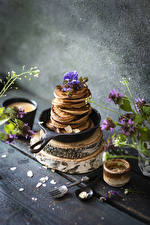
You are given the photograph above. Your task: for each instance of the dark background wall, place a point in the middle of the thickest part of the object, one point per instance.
(101, 39)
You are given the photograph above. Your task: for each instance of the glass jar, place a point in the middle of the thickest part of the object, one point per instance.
(144, 164)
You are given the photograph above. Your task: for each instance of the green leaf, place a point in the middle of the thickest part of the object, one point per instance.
(139, 119)
(125, 104)
(3, 120)
(9, 128)
(145, 134)
(19, 123)
(146, 110)
(1, 110)
(2, 136)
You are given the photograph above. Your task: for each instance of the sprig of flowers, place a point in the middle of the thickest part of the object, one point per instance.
(13, 76)
(133, 125)
(10, 118)
(71, 82)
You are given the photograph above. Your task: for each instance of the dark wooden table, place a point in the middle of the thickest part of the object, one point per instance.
(35, 205)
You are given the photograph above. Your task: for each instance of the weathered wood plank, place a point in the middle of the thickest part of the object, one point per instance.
(135, 203)
(68, 210)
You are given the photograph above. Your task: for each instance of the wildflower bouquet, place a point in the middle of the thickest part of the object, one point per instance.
(132, 130)
(10, 117)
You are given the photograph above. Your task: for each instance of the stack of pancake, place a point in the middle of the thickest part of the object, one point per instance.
(70, 114)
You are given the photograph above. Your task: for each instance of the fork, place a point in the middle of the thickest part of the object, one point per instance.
(63, 189)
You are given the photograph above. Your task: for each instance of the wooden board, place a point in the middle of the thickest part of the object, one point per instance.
(72, 166)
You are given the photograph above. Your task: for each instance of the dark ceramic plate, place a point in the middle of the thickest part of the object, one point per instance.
(49, 134)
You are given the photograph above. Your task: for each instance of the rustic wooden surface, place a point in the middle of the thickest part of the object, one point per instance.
(19, 207)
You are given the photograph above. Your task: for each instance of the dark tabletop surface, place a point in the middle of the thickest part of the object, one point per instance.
(35, 205)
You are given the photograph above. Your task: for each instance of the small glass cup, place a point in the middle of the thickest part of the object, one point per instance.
(30, 107)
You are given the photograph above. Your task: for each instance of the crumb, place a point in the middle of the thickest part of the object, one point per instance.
(68, 129)
(83, 194)
(44, 185)
(76, 130)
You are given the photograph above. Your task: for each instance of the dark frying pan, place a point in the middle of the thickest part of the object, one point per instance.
(49, 134)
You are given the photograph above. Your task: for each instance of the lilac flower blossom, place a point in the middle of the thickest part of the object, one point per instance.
(109, 145)
(114, 96)
(71, 82)
(10, 138)
(110, 194)
(72, 76)
(19, 112)
(26, 131)
(108, 124)
(139, 103)
(127, 126)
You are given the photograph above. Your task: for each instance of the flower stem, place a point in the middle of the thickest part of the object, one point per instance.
(10, 82)
(104, 107)
(123, 156)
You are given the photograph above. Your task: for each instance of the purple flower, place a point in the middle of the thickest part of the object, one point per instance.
(114, 96)
(26, 131)
(111, 193)
(10, 138)
(19, 112)
(73, 76)
(108, 124)
(72, 82)
(109, 145)
(139, 103)
(127, 124)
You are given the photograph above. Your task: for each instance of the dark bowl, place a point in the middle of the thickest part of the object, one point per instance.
(29, 116)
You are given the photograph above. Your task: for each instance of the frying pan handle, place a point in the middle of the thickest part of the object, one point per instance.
(42, 143)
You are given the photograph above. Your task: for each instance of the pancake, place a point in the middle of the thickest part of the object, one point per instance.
(69, 109)
(59, 103)
(86, 125)
(76, 94)
(70, 99)
(60, 118)
(80, 111)
(61, 125)
(61, 113)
